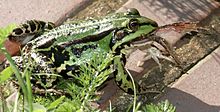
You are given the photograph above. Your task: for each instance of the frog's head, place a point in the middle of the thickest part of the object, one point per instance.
(136, 28)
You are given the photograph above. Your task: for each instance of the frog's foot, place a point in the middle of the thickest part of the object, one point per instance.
(150, 88)
(155, 54)
(146, 89)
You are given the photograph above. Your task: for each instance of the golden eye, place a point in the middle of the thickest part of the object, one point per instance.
(133, 24)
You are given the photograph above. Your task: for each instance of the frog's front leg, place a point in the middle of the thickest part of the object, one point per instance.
(123, 79)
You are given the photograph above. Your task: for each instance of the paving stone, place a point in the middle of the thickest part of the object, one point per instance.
(18, 11)
(199, 89)
(170, 11)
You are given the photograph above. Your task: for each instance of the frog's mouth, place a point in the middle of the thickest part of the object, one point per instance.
(141, 44)
(145, 41)
(141, 40)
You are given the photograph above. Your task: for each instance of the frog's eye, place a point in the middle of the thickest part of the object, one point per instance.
(133, 24)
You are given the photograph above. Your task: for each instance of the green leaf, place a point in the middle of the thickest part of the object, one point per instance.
(163, 106)
(29, 89)
(39, 108)
(4, 32)
(67, 107)
(5, 74)
(56, 103)
(15, 70)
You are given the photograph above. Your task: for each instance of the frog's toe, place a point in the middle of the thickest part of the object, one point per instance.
(141, 62)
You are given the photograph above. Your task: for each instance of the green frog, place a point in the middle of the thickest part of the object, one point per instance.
(64, 49)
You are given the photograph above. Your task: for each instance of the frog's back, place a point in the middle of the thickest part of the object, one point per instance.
(83, 28)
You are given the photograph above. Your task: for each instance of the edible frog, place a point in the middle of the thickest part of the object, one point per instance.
(64, 49)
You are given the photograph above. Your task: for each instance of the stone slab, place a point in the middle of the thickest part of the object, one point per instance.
(199, 89)
(18, 11)
(170, 11)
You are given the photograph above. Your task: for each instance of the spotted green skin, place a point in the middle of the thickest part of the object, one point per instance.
(64, 49)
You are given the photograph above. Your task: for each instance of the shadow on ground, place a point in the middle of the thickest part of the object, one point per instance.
(185, 102)
(191, 10)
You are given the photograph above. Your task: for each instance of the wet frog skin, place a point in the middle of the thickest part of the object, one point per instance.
(64, 49)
